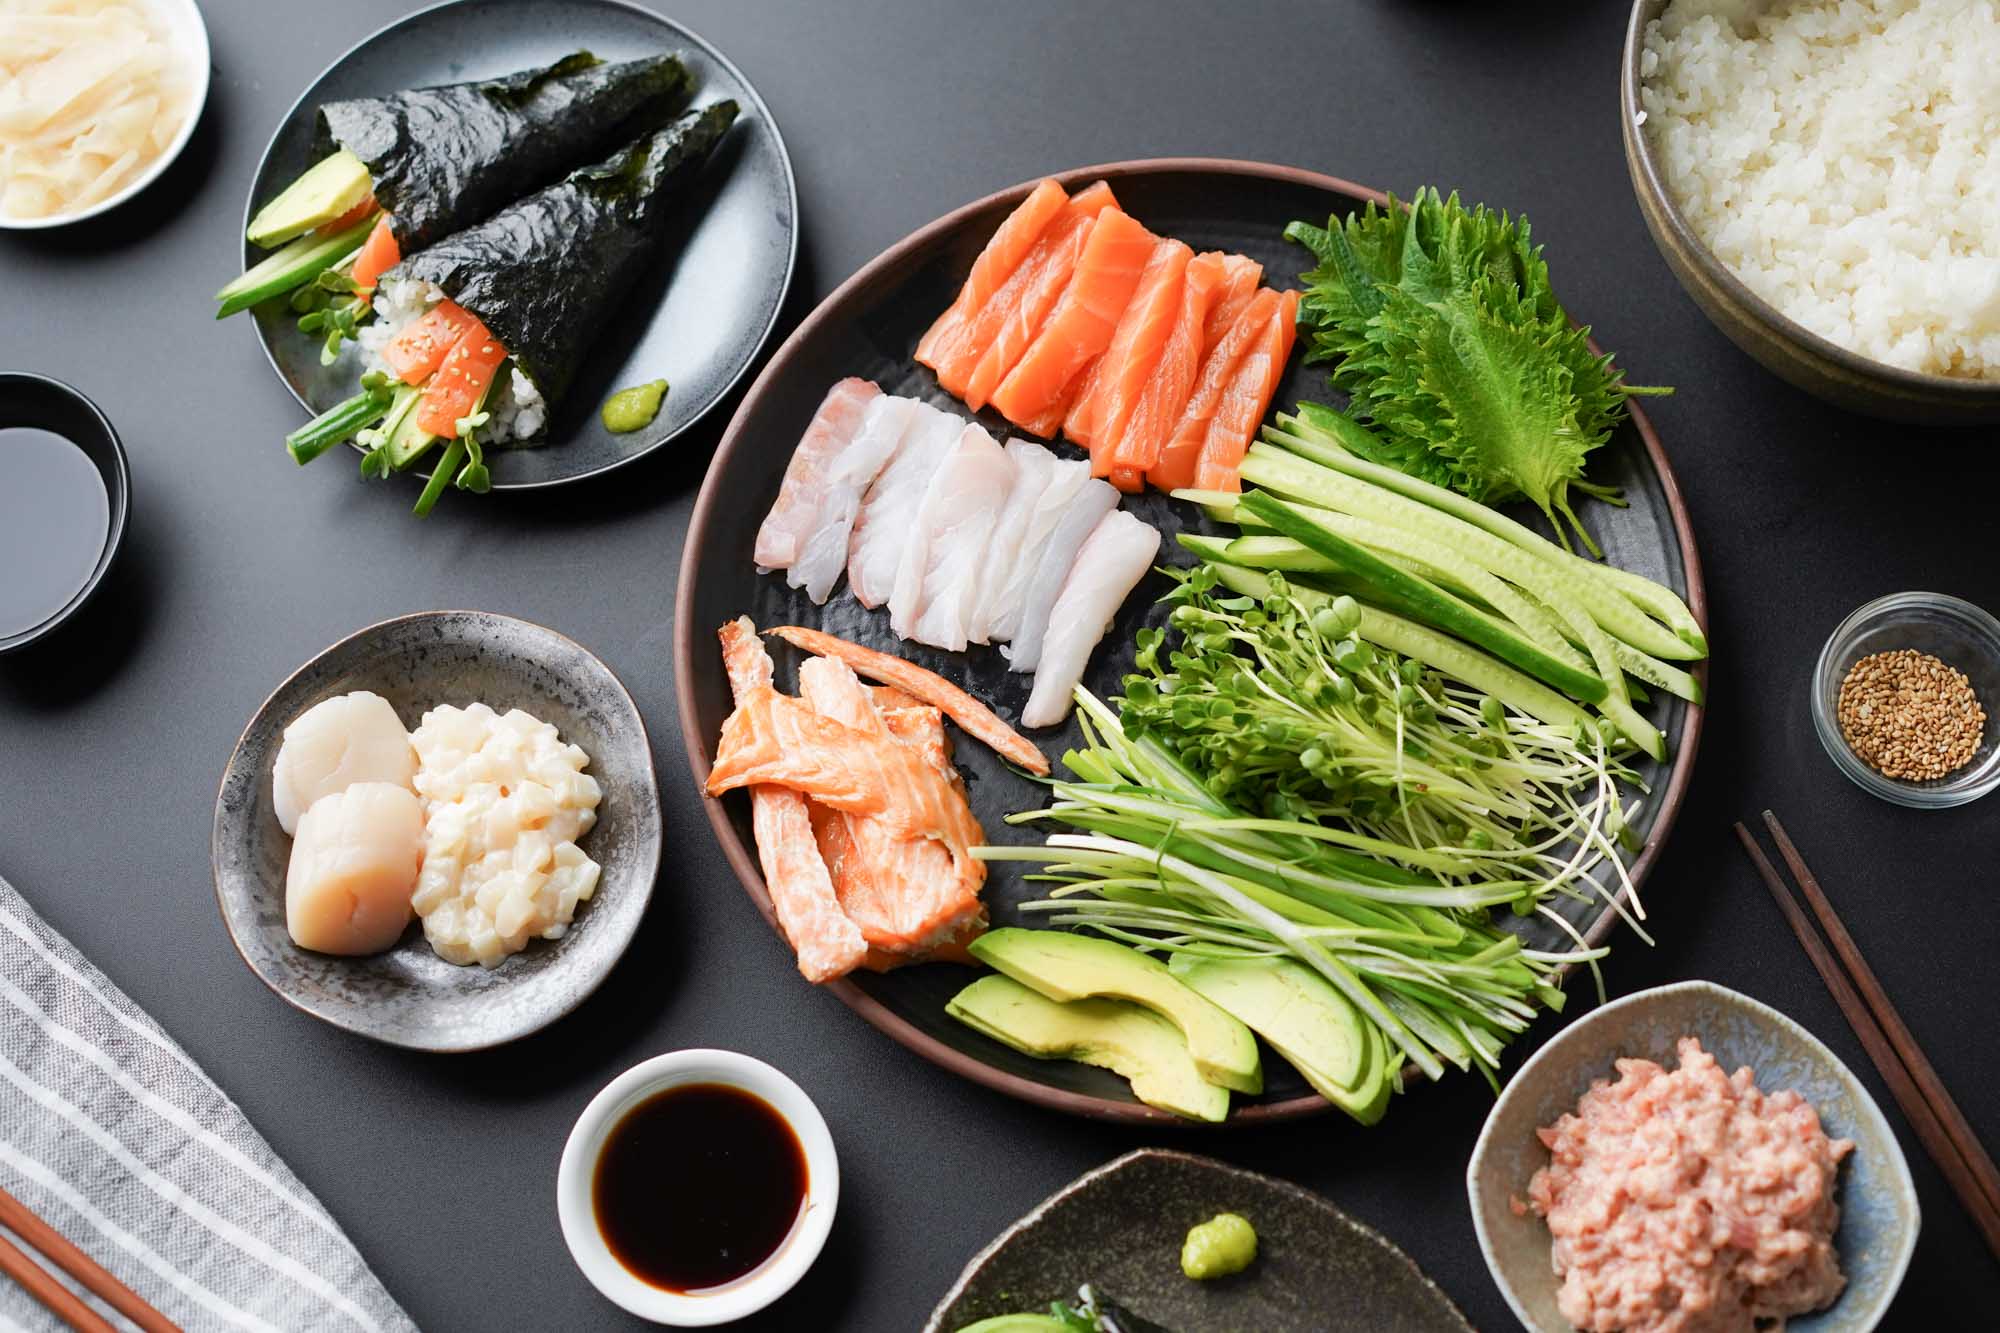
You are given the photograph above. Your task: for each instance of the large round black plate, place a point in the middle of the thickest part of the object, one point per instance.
(1120, 1229)
(702, 316)
(869, 327)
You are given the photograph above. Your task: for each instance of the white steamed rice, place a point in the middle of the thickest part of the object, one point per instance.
(516, 405)
(1834, 154)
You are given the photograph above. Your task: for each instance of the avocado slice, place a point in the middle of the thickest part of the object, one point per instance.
(1017, 1323)
(408, 441)
(1306, 1020)
(1290, 1006)
(293, 266)
(1369, 1100)
(1124, 1038)
(332, 188)
(1066, 966)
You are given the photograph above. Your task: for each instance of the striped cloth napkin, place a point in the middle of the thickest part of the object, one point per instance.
(113, 1135)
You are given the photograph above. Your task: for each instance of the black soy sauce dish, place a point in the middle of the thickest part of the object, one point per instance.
(65, 492)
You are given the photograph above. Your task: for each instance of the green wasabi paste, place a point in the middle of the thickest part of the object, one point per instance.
(634, 408)
(1224, 1244)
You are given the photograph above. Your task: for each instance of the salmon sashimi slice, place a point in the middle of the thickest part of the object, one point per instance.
(1157, 409)
(459, 385)
(1084, 319)
(1134, 351)
(1241, 276)
(1017, 312)
(904, 893)
(1049, 424)
(802, 495)
(1083, 404)
(826, 942)
(1008, 246)
(975, 717)
(1246, 399)
(1175, 466)
(422, 344)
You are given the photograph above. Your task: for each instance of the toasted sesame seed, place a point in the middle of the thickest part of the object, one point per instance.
(1910, 716)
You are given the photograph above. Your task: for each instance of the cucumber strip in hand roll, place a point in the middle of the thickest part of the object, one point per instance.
(401, 171)
(483, 332)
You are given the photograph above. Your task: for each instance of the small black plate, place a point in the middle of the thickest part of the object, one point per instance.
(36, 400)
(1120, 1229)
(697, 323)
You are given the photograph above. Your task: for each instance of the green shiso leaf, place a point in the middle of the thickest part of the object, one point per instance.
(1444, 331)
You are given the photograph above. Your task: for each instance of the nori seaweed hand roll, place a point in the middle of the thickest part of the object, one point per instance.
(438, 159)
(444, 158)
(544, 274)
(529, 288)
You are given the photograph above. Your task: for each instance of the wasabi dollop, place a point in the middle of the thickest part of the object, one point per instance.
(1224, 1244)
(634, 408)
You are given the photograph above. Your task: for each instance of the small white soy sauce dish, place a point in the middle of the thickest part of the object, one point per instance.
(697, 1188)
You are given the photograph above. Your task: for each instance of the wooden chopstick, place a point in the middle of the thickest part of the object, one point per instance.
(56, 1247)
(1923, 1118)
(1900, 1037)
(42, 1285)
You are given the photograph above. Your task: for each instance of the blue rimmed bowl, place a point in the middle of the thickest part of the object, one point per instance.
(1878, 1201)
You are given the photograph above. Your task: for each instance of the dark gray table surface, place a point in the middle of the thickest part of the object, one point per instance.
(238, 567)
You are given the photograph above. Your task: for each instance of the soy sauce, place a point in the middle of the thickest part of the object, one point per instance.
(697, 1186)
(54, 518)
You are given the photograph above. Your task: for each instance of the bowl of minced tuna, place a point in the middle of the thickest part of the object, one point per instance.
(1823, 176)
(1689, 1160)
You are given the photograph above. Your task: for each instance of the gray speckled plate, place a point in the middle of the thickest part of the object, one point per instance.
(409, 996)
(1878, 1202)
(697, 321)
(1120, 1228)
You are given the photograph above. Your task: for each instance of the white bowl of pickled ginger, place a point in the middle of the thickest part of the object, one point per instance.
(96, 98)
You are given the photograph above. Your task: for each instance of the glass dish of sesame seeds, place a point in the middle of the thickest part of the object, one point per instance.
(1906, 699)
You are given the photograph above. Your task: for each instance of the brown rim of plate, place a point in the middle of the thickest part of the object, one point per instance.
(1698, 251)
(743, 860)
(215, 865)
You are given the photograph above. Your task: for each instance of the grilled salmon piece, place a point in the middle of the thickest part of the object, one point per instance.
(905, 893)
(978, 720)
(826, 942)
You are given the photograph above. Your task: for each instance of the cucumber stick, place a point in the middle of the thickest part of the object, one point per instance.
(1317, 434)
(1554, 583)
(1426, 601)
(1445, 612)
(293, 266)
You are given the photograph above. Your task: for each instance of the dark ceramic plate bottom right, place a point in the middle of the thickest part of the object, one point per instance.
(1120, 1229)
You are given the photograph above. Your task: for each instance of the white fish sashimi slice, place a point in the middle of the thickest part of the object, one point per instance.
(889, 511)
(823, 553)
(801, 495)
(1033, 467)
(1065, 482)
(939, 575)
(1109, 566)
(1094, 499)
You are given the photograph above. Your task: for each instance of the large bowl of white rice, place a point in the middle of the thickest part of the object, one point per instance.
(1817, 175)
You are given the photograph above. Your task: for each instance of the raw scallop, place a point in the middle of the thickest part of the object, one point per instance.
(354, 867)
(332, 745)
